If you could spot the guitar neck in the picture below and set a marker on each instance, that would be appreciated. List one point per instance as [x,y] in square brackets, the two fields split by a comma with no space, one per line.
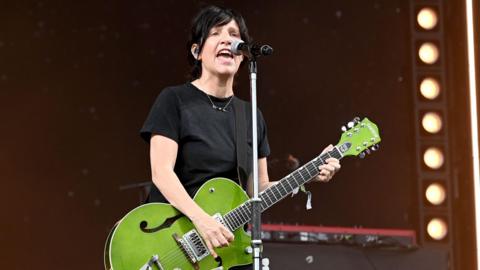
[270,196]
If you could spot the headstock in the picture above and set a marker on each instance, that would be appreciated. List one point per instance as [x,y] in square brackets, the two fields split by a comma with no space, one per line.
[359,138]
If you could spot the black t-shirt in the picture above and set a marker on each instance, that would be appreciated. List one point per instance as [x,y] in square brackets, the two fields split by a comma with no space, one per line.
[205,136]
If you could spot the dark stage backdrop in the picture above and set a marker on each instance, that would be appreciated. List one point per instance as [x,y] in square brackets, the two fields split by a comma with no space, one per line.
[77,79]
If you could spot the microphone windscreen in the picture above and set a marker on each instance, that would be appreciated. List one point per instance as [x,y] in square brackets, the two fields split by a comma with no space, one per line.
[236,46]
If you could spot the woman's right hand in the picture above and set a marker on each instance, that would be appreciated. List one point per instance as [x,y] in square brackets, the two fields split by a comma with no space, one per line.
[213,232]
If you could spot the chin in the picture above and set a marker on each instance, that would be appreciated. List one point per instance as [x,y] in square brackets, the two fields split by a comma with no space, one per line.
[228,72]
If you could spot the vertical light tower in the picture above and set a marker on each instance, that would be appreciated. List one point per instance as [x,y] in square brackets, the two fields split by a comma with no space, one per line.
[434,183]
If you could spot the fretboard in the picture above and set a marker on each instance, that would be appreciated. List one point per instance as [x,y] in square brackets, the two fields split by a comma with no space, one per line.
[270,196]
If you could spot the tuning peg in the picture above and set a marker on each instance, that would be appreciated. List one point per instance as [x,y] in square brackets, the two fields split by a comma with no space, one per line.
[344,128]
[375,147]
[356,119]
[361,155]
[350,124]
[367,151]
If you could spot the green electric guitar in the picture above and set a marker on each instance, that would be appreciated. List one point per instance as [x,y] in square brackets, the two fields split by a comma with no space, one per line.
[156,236]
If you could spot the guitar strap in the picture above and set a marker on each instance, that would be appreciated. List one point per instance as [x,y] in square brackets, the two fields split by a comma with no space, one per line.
[244,164]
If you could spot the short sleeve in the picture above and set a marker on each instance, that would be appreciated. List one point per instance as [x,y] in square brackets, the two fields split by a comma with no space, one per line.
[263,146]
[164,117]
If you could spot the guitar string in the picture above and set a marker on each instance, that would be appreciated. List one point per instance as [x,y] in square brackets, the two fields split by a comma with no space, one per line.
[178,259]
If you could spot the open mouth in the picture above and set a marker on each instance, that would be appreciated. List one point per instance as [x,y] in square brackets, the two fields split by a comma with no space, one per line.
[225,53]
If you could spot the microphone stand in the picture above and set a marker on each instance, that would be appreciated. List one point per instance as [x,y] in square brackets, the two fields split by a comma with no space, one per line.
[256,201]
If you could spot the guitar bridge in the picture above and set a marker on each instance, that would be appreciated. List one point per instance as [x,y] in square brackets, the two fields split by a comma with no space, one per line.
[193,246]
[192,243]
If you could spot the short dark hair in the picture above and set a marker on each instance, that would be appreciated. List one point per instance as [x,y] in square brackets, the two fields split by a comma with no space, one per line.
[202,23]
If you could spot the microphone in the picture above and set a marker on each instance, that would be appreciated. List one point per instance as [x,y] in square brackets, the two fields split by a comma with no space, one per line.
[239,47]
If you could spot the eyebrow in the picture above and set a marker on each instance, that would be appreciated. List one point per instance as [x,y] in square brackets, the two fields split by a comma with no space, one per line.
[230,28]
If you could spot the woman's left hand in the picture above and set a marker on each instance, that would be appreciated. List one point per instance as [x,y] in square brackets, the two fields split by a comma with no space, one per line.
[328,170]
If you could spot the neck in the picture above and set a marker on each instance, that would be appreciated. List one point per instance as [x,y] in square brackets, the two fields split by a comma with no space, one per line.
[216,86]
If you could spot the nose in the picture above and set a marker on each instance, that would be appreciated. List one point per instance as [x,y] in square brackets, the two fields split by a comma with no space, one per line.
[226,39]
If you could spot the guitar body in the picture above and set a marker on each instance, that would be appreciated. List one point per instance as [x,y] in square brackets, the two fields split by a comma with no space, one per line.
[149,230]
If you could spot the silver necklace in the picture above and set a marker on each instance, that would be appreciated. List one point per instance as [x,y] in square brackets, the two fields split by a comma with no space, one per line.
[218,108]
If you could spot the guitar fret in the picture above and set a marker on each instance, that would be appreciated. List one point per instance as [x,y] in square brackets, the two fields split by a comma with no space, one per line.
[308,172]
[295,178]
[235,217]
[229,216]
[302,179]
[287,179]
[266,197]
[321,159]
[273,195]
[232,221]
[305,173]
[311,167]
[241,215]
[279,192]
[281,184]
[338,155]
[276,198]
[228,223]
[247,211]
